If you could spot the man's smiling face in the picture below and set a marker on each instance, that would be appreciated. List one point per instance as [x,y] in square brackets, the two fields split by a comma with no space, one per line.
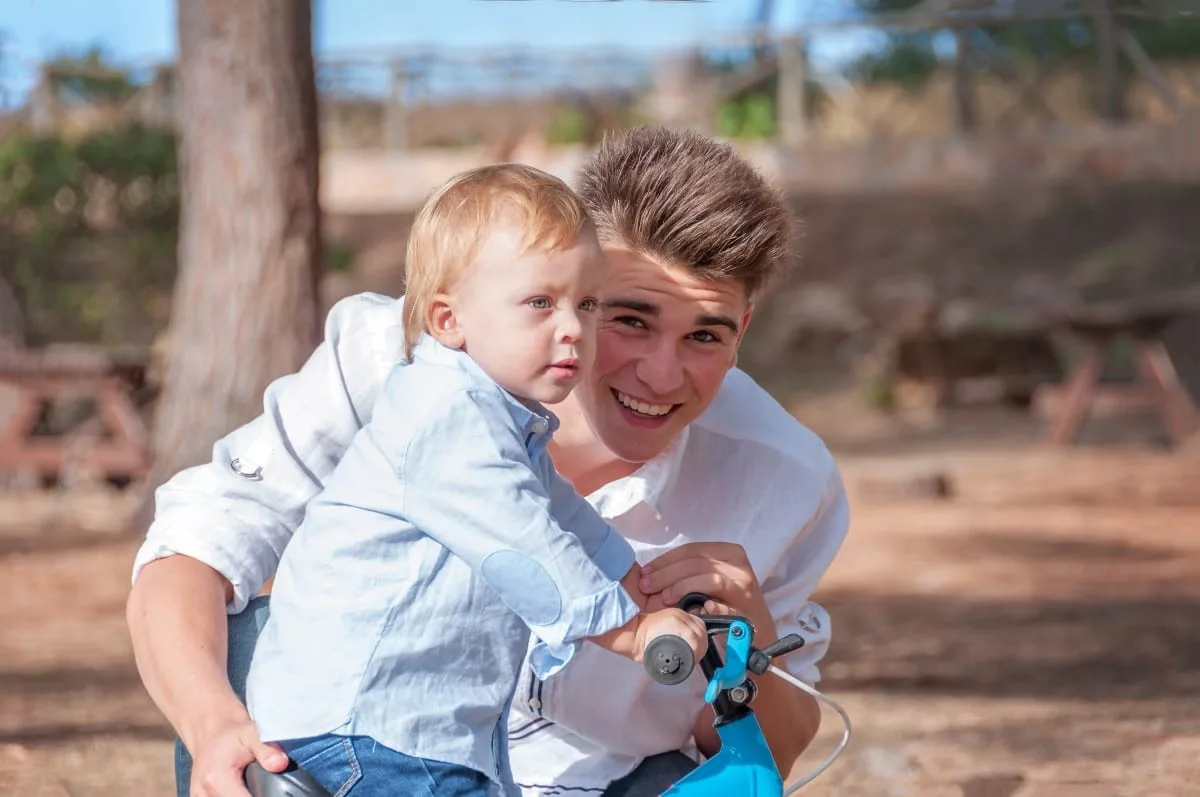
[666,339]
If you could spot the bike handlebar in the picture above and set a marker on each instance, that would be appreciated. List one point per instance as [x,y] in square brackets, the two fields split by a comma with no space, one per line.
[669,660]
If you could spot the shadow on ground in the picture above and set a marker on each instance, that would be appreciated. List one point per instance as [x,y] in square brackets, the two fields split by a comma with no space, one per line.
[1104,620]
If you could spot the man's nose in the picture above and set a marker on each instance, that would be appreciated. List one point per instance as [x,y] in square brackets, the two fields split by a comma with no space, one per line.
[660,369]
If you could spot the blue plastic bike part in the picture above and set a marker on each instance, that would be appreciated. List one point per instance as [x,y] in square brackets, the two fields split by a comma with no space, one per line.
[737,659]
[743,766]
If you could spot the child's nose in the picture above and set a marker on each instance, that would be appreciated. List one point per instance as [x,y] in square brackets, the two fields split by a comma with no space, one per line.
[570,327]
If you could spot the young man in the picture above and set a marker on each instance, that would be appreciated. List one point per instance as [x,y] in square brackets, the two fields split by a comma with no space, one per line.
[715,486]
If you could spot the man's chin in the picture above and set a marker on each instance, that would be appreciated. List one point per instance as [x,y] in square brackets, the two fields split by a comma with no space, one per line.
[637,445]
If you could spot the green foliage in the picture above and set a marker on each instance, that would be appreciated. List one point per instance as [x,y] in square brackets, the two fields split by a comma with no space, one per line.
[338,257]
[907,59]
[1174,40]
[90,74]
[88,229]
[751,116]
[569,126]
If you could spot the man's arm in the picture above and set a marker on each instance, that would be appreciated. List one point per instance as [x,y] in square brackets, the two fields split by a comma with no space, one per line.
[237,512]
[780,606]
[176,616]
[218,534]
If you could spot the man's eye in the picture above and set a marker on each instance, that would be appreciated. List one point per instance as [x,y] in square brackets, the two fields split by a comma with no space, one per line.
[704,336]
[540,303]
[630,321]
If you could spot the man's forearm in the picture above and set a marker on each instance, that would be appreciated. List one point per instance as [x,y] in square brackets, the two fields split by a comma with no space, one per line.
[177,621]
[789,719]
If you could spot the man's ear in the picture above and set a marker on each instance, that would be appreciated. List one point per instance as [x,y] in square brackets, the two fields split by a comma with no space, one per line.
[746,316]
[443,323]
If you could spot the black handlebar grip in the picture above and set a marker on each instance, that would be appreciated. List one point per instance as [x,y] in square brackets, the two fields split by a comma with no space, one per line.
[292,782]
[692,600]
[669,660]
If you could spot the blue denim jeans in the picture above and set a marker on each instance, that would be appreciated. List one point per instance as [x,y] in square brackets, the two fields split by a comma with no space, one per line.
[650,779]
[358,766]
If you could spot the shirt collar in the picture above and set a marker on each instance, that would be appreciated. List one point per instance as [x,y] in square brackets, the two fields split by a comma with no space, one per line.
[648,484]
[532,416]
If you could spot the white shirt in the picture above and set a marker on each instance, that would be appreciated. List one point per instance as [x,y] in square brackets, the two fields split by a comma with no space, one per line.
[745,472]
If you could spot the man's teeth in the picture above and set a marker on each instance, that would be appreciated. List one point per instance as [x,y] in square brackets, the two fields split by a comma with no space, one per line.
[643,407]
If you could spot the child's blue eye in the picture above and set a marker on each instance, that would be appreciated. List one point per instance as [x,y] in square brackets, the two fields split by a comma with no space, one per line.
[588,305]
[540,303]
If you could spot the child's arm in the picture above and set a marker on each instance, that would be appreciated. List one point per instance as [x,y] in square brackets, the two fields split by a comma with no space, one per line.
[468,482]
[602,542]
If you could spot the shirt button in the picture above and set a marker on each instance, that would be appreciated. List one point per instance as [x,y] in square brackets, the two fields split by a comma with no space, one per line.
[539,426]
[535,704]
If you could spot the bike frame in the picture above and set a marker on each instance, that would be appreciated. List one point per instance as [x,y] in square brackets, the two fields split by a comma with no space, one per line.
[744,764]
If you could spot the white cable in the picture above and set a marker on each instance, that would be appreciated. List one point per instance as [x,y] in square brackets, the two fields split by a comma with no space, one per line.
[837,751]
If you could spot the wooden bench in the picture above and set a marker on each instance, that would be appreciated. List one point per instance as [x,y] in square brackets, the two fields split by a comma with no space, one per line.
[971,365]
[1156,385]
[117,442]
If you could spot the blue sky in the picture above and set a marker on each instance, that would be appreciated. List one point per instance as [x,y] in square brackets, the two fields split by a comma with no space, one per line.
[141,32]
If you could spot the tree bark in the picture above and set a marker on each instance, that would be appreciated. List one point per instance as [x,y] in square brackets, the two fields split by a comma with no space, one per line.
[246,307]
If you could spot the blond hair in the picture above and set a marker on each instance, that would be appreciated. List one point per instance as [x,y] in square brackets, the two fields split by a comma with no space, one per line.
[457,218]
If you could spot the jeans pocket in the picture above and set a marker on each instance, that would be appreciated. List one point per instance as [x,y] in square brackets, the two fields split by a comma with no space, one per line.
[330,759]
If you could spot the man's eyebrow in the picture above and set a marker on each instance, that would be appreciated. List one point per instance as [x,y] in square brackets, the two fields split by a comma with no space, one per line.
[636,305]
[717,321]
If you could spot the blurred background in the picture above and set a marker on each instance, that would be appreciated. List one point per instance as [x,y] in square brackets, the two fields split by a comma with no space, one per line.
[990,319]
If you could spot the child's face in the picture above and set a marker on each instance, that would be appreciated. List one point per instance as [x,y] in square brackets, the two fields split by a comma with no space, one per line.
[529,318]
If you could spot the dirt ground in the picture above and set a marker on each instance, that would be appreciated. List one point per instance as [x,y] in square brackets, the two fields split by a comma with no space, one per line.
[1017,641]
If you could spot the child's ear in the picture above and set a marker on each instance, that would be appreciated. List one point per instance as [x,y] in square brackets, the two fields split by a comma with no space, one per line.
[443,323]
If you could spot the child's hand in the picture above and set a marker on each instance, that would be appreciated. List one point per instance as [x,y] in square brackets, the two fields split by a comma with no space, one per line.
[687,627]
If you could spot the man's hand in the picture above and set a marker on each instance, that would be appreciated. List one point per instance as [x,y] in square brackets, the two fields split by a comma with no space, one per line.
[720,570]
[632,582]
[221,758]
[789,719]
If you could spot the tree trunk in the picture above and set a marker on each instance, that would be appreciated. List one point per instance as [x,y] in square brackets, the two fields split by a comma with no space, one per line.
[246,307]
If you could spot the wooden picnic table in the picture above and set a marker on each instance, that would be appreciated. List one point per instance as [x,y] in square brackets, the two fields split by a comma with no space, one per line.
[42,377]
[1157,384]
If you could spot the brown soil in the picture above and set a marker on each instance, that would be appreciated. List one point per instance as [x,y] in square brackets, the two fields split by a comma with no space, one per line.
[990,644]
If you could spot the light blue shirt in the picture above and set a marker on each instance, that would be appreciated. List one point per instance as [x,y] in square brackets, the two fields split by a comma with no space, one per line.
[403,605]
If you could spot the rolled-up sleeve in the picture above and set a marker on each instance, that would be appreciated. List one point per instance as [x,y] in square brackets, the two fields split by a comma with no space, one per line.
[237,512]
[469,483]
[789,589]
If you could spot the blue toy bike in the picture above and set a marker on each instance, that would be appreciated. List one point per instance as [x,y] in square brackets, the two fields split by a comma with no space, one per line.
[743,766]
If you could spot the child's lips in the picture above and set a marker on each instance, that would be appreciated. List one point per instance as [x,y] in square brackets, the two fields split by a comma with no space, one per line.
[565,369]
